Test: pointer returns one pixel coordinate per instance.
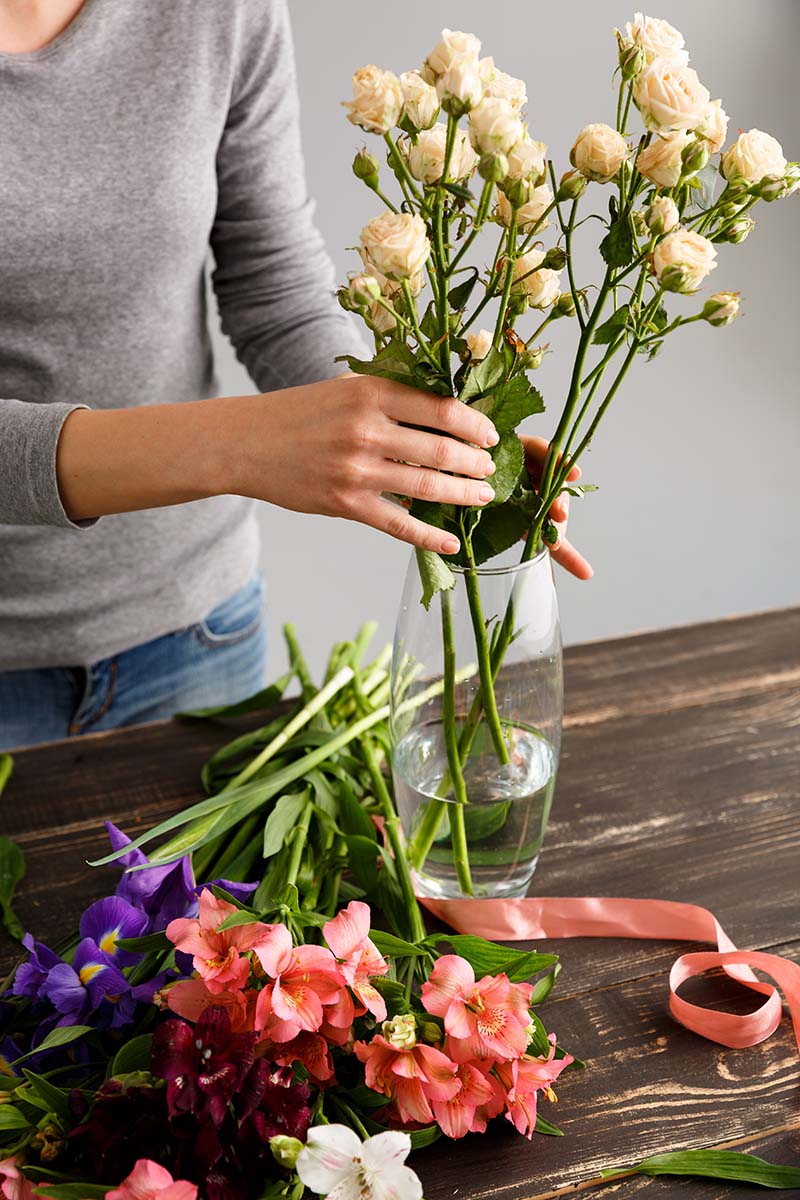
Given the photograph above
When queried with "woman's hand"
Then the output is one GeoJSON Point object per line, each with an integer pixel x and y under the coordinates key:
{"type": "Point", "coordinates": [563, 551]}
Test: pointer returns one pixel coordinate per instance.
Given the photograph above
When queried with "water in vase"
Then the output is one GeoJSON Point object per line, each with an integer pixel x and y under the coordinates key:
{"type": "Point", "coordinates": [504, 820]}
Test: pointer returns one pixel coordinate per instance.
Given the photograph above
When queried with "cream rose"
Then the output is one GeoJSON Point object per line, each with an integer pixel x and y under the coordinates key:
{"type": "Point", "coordinates": [460, 88]}
{"type": "Point", "coordinates": [657, 39]}
{"type": "Point", "coordinates": [682, 260]}
{"type": "Point", "coordinates": [530, 213]}
{"type": "Point", "coordinates": [420, 101]}
{"type": "Point", "coordinates": [714, 126]}
{"type": "Point", "coordinates": [379, 318]}
{"type": "Point", "coordinates": [396, 244]}
{"type": "Point", "coordinates": [501, 86]}
{"type": "Point", "coordinates": [599, 152]}
{"type": "Point", "coordinates": [541, 285]}
{"type": "Point", "coordinates": [479, 343]}
{"type": "Point", "coordinates": [662, 215]}
{"type": "Point", "coordinates": [494, 127]}
{"type": "Point", "coordinates": [455, 47]}
{"type": "Point", "coordinates": [526, 160]}
{"type": "Point", "coordinates": [662, 161]}
{"type": "Point", "coordinates": [377, 100]}
{"type": "Point", "coordinates": [721, 308]}
{"type": "Point", "coordinates": [670, 97]}
{"type": "Point", "coordinates": [425, 157]}
{"type": "Point", "coordinates": [752, 156]}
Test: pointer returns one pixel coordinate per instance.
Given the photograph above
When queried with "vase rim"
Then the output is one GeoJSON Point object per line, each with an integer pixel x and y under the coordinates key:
{"type": "Point", "coordinates": [511, 569]}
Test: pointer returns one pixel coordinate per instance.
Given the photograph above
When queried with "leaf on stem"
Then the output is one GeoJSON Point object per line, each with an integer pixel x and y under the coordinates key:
{"type": "Point", "coordinates": [12, 872]}
{"type": "Point", "coordinates": [511, 403]}
{"type": "Point", "coordinates": [489, 958]}
{"type": "Point", "coordinates": [435, 575]}
{"type": "Point", "coordinates": [501, 527]}
{"type": "Point", "coordinates": [610, 330]}
{"type": "Point", "coordinates": [484, 376]}
{"type": "Point", "coordinates": [618, 247]}
{"type": "Point", "coordinates": [282, 820]}
{"type": "Point", "coordinates": [396, 361]}
{"type": "Point", "coordinates": [459, 295]}
{"type": "Point", "coordinates": [715, 1164]}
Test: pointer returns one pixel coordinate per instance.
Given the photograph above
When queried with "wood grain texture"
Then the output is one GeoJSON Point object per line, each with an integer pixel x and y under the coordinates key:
{"type": "Point", "coordinates": [680, 779]}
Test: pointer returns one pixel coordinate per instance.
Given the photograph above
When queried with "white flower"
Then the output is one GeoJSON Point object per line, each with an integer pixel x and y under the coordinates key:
{"type": "Point", "coordinates": [670, 97]}
{"type": "Point", "coordinates": [396, 244]}
{"type": "Point", "coordinates": [460, 88]}
{"type": "Point", "coordinates": [752, 156]}
{"type": "Point", "coordinates": [526, 160]}
{"type": "Point", "coordinates": [662, 216]}
{"type": "Point", "coordinates": [714, 126]}
{"type": "Point", "coordinates": [501, 86]}
{"type": "Point", "coordinates": [420, 101]}
{"type": "Point", "coordinates": [336, 1164]}
{"type": "Point", "coordinates": [379, 318]}
{"type": "Point", "coordinates": [528, 214]}
{"type": "Point", "coordinates": [425, 157]}
{"type": "Point", "coordinates": [480, 343]}
{"type": "Point", "coordinates": [682, 260]}
{"type": "Point", "coordinates": [455, 47]}
{"type": "Point", "coordinates": [541, 286]}
{"type": "Point", "coordinates": [662, 161]}
{"type": "Point", "coordinates": [377, 100]}
{"type": "Point", "coordinates": [657, 39]}
{"type": "Point", "coordinates": [494, 127]}
{"type": "Point", "coordinates": [599, 152]}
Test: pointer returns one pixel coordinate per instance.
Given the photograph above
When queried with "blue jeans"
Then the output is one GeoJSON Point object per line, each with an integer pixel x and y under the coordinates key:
{"type": "Point", "coordinates": [220, 660]}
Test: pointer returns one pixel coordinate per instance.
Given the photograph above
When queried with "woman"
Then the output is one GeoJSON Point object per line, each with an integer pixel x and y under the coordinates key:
{"type": "Point", "coordinates": [133, 137]}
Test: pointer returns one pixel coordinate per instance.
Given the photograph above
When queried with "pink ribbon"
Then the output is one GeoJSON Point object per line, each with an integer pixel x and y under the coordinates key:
{"type": "Point", "coordinates": [535, 917]}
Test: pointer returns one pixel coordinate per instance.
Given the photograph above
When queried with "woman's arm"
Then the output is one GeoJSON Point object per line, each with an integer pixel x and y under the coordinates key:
{"type": "Point", "coordinates": [329, 447]}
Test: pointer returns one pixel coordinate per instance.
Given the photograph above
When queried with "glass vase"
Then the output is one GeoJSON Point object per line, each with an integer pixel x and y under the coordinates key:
{"type": "Point", "coordinates": [477, 704]}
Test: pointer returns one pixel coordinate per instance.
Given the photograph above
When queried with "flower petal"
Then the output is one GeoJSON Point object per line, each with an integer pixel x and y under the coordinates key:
{"type": "Point", "coordinates": [346, 932]}
{"type": "Point", "coordinates": [327, 1158]}
{"type": "Point", "coordinates": [452, 978]}
{"type": "Point", "coordinates": [274, 950]}
{"type": "Point", "coordinates": [384, 1148]}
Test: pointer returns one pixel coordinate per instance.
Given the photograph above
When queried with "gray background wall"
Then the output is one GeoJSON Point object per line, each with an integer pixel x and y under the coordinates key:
{"type": "Point", "coordinates": [697, 514]}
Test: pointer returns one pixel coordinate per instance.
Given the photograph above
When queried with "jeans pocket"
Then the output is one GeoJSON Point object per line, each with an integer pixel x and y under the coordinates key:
{"type": "Point", "coordinates": [234, 620]}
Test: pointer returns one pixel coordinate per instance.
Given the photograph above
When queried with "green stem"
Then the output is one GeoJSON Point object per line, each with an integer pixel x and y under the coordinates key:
{"type": "Point", "coordinates": [491, 286]}
{"type": "Point", "coordinates": [406, 179]}
{"type": "Point", "coordinates": [299, 839]}
{"type": "Point", "coordinates": [414, 319]}
{"type": "Point", "coordinates": [540, 328]}
{"type": "Point", "coordinates": [568, 247]}
{"type": "Point", "coordinates": [457, 829]}
{"type": "Point", "coordinates": [488, 698]}
{"type": "Point", "coordinates": [510, 248]}
{"type": "Point", "coordinates": [298, 662]}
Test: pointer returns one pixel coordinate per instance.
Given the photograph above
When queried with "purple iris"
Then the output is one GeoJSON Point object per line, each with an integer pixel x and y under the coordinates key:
{"type": "Point", "coordinates": [92, 984]}
{"type": "Point", "coordinates": [32, 974]}
{"type": "Point", "coordinates": [107, 921]}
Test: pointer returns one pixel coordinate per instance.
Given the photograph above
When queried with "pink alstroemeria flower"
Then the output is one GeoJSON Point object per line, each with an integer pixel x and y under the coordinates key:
{"type": "Point", "coordinates": [411, 1077]}
{"type": "Point", "coordinates": [310, 1049]}
{"type": "Point", "coordinates": [190, 998]}
{"type": "Point", "coordinates": [13, 1184]}
{"type": "Point", "coordinates": [218, 955]}
{"type": "Point", "coordinates": [305, 978]}
{"type": "Point", "coordinates": [149, 1181]}
{"type": "Point", "coordinates": [484, 1020]}
{"type": "Point", "coordinates": [348, 937]}
{"type": "Point", "coordinates": [524, 1079]}
{"type": "Point", "coordinates": [481, 1097]}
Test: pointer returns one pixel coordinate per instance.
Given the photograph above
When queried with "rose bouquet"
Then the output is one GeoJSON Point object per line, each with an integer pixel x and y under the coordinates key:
{"type": "Point", "coordinates": [248, 1039]}
{"type": "Point", "coordinates": [465, 165]}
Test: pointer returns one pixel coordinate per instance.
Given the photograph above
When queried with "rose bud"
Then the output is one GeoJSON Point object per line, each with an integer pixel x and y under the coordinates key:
{"type": "Point", "coordinates": [752, 156]}
{"type": "Point", "coordinates": [771, 187]}
{"type": "Point", "coordinates": [285, 1150]}
{"type": "Point", "coordinates": [662, 215]}
{"type": "Point", "coordinates": [571, 186]}
{"type": "Point", "coordinates": [639, 223]}
{"type": "Point", "coordinates": [721, 308]}
{"type": "Point", "coordinates": [555, 259]}
{"type": "Point", "coordinates": [682, 260]}
{"type": "Point", "coordinates": [599, 152]}
{"type": "Point", "coordinates": [694, 157]}
{"type": "Point", "coordinates": [364, 290]}
{"type": "Point", "coordinates": [493, 167]}
{"type": "Point", "coordinates": [366, 168]}
{"type": "Point", "coordinates": [631, 59]}
{"type": "Point", "coordinates": [532, 359]}
{"type": "Point", "coordinates": [517, 191]}
{"type": "Point", "coordinates": [564, 305]}
{"type": "Point", "coordinates": [739, 231]}
{"type": "Point", "coordinates": [460, 89]}
{"type": "Point", "coordinates": [479, 343]}
{"type": "Point", "coordinates": [420, 102]}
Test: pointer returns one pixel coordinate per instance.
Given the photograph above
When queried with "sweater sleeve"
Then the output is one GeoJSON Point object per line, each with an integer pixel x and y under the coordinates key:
{"type": "Point", "coordinates": [274, 280]}
{"type": "Point", "coordinates": [29, 436]}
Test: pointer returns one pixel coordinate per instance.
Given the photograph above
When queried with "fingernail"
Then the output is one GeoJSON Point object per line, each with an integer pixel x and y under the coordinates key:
{"type": "Point", "coordinates": [492, 437]}
{"type": "Point", "coordinates": [485, 494]}
{"type": "Point", "coordinates": [450, 546]}
{"type": "Point", "coordinates": [490, 467]}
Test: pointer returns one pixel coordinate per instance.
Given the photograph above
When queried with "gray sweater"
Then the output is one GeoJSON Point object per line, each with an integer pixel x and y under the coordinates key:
{"type": "Point", "coordinates": [144, 133]}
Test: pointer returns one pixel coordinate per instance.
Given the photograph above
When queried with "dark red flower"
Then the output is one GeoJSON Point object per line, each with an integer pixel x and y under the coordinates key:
{"type": "Point", "coordinates": [204, 1064]}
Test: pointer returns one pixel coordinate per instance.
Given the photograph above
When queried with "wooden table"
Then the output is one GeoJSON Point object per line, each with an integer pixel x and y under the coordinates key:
{"type": "Point", "coordinates": [680, 780]}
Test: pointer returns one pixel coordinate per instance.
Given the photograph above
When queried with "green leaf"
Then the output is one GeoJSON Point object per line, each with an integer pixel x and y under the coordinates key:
{"type": "Point", "coordinates": [539, 1044]}
{"type": "Point", "coordinates": [509, 461]}
{"type": "Point", "coordinates": [354, 819]}
{"type": "Point", "coordinates": [12, 872]}
{"type": "Point", "coordinates": [580, 489]}
{"type": "Point", "coordinates": [459, 295]}
{"type": "Point", "coordinates": [488, 958]}
{"type": "Point", "coordinates": [395, 947]}
{"type": "Point", "coordinates": [363, 855]}
{"type": "Point", "coordinates": [618, 247]}
{"type": "Point", "coordinates": [42, 1094]}
{"type": "Point", "coordinates": [6, 767]}
{"type": "Point", "coordinates": [282, 820]}
{"type": "Point", "coordinates": [543, 1126]}
{"type": "Point", "coordinates": [429, 325]}
{"type": "Point", "coordinates": [419, 1137]}
{"type": "Point", "coordinates": [511, 403]}
{"type": "Point", "coordinates": [396, 361]}
{"type": "Point", "coordinates": [610, 330]}
{"type": "Point", "coordinates": [458, 189]}
{"type": "Point", "coordinates": [704, 185]}
{"type": "Point", "coordinates": [72, 1191]}
{"type": "Point", "coordinates": [501, 526]}
{"type": "Point", "coordinates": [484, 376]}
{"type": "Point", "coordinates": [145, 944]}
{"type": "Point", "coordinates": [133, 1056]}
{"type": "Point", "coordinates": [434, 573]}
{"type": "Point", "coordinates": [544, 986]}
{"type": "Point", "coordinates": [267, 698]}
{"type": "Point", "coordinates": [716, 1164]}
{"type": "Point", "coordinates": [62, 1035]}
{"type": "Point", "coordinates": [12, 1118]}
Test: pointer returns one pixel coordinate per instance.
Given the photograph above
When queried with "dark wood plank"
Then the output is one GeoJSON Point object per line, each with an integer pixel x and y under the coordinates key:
{"type": "Point", "coordinates": [650, 1086]}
